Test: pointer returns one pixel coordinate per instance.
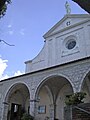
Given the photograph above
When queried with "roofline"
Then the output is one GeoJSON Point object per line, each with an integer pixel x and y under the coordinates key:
{"type": "Point", "coordinates": [66, 16]}
{"type": "Point", "coordinates": [28, 61]}
{"type": "Point", "coordinates": [41, 70]}
{"type": "Point", "coordinates": [64, 29]}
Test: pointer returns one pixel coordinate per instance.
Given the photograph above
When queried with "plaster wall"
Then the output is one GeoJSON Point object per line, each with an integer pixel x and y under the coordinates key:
{"type": "Point", "coordinates": [55, 52]}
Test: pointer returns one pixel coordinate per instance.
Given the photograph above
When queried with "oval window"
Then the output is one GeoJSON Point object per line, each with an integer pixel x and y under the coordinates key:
{"type": "Point", "coordinates": [70, 44]}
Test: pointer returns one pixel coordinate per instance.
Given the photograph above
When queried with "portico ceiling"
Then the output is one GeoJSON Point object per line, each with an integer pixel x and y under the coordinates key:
{"type": "Point", "coordinates": [55, 84]}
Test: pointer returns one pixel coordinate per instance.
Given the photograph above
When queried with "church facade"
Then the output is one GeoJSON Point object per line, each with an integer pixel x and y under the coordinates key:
{"type": "Point", "coordinates": [61, 68]}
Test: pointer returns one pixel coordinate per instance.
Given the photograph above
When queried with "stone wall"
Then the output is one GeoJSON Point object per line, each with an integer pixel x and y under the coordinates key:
{"type": "Point", "coordinates": [81, 115]}
{"type": "Point", "coordinates": [72, 113]}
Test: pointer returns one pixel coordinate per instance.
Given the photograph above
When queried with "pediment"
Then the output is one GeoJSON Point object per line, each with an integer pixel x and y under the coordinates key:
{"type": "Point", "coordinates": [67, 21]}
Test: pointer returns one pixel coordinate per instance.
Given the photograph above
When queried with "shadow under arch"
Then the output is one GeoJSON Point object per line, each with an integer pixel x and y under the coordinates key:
{"type": "Point", "coordinates": [16, 101]}
{"type": "Point", "coordinates": [50, 77]}
{"type": "Point", "coordinates": [11, 88]}
{"type": "Point", "coordinates": [52, 84]}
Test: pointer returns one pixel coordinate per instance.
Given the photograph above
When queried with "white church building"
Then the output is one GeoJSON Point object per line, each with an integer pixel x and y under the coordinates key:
{"type": "Point", "coordinates": [61, 68]}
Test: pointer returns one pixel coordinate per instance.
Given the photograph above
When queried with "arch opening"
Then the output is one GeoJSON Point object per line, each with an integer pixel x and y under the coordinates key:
{"type": "Point", "coordinates": [51, 95]}
{"type": "Point", "coordinates": [16, 102]}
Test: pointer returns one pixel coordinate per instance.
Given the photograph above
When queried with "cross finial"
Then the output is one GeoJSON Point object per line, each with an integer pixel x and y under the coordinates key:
{"type": "Point", "coordinates": [67, 6]}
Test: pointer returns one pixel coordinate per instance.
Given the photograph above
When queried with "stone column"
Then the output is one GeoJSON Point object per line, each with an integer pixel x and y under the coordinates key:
{"type": "Point", "coordinates": [52, 112]}
{"type": "Point", "coordinates": [32, 108]}
{"type": "Point", "coordinates": [68, 113]}
{"type": "Point", "coordinates": [5, 111]}
{"type": "Point", "coordinates": [0, 112]}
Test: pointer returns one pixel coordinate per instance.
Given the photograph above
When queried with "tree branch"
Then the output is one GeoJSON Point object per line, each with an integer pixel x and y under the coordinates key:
{"type": "Point", "coordinates": [3, 6]}
{"type": "Point", "coordinates": [6, 43]}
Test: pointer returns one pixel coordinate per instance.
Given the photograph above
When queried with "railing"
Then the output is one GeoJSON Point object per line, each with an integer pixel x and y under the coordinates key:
{"type": "Point", "coordinates": [79, 108]}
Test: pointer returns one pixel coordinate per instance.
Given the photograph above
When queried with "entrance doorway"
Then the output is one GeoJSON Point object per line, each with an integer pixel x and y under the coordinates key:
{"type": "Point", "coordinates": [18, 102]}
{"type": "Point", "coordinates": [15, 111]}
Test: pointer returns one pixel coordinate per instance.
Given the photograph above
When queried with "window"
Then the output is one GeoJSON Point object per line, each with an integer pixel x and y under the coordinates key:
{"type": "Point", "coordinates": [70, 44]}
{"type": "Point", "coordinates": [42, 109]}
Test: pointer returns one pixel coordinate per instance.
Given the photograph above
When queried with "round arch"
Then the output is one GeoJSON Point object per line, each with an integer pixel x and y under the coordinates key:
{"type": "Point", "coordinates": [16, 101]}
{"type": "Point", "coordinates": [51, 76]}
{"type": "Point", "coordinates": [50, 88]}
{"type": "Point", "coordinates": [11, 88]}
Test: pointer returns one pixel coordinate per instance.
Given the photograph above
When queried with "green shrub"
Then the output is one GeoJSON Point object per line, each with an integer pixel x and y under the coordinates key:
{"type": "Point", "coordinates": [26, 116]}
{"type": "Point", "coordinates": [75, 98]}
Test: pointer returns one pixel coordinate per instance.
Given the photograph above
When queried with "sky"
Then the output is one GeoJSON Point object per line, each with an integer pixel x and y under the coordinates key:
{"type": "Point", "coordinates": [25, 23]}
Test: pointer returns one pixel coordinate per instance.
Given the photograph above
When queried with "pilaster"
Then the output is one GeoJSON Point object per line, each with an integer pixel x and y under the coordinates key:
{"type": "Point", "coordinates": [5, 111]}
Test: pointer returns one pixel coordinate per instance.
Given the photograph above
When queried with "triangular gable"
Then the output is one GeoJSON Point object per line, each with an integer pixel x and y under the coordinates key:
{"type": "Point", "coordinates": [66, 21]}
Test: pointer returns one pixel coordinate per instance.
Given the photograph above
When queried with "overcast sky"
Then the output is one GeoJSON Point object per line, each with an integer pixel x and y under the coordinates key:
{"type": "Point", "coordinates": [24, 24]}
